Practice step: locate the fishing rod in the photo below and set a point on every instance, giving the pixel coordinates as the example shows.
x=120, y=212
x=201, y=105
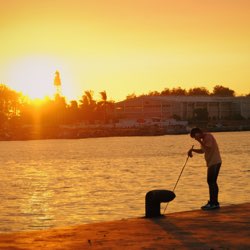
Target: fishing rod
x=179, y=177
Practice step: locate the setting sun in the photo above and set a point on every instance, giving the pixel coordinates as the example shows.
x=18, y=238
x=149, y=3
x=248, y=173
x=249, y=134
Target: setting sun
x=124, y=47
x=102, y=101
x=34, y=75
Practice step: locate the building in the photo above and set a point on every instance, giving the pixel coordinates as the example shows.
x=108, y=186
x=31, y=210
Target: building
x=184, y=107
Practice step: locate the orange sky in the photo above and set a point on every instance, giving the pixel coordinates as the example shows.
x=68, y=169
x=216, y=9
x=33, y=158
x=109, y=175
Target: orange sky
x=124, y=46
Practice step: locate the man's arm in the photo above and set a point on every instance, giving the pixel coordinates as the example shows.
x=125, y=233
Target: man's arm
x=198, y=151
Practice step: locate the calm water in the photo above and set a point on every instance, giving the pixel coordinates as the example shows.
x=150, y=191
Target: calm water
x=54, y=183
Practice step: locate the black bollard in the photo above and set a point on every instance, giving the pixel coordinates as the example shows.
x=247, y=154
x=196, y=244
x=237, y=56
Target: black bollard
x=153, y=201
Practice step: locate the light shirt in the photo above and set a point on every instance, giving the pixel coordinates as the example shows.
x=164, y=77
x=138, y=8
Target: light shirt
x=211, y=150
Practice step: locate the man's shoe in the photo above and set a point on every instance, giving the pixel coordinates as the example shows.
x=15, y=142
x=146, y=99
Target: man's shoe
x=210, y=206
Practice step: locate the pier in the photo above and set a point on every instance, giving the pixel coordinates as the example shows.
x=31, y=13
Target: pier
x=225, y=228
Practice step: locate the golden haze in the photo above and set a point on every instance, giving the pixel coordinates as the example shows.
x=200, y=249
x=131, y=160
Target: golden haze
x=124, y=46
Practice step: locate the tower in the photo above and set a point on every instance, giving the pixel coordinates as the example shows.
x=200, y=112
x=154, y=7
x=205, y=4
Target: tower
x=57, y=83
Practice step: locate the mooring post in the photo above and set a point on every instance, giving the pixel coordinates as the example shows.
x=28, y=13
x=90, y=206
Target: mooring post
x=153, y=201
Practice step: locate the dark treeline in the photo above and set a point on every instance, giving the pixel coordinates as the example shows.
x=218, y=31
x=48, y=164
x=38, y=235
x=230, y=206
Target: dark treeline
x=18, y=111
x=218, y=90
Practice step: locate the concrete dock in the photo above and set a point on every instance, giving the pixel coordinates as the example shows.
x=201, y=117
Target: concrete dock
x=225, y=228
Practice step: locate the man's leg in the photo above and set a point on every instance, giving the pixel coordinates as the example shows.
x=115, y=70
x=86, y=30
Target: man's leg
x=212, y=174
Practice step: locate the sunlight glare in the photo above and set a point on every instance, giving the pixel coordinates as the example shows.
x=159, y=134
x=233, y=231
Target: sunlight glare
x=34, y=75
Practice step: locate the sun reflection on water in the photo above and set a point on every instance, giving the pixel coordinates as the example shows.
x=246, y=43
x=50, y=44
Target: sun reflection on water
x=54, y=183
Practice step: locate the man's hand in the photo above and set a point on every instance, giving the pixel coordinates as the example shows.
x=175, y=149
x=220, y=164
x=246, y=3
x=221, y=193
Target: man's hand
x=190, y=152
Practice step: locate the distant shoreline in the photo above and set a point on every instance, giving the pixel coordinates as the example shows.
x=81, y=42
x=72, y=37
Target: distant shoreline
x=59, y=133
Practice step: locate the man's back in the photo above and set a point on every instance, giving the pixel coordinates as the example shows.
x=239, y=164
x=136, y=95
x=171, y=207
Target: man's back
x=211, y=150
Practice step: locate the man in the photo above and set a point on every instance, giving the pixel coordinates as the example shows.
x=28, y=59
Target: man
x=209, y=147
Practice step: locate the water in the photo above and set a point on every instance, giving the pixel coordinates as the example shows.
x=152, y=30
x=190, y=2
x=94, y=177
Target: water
x=53, y=183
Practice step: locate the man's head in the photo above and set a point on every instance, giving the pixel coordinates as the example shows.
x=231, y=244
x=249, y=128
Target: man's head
x=196, y=133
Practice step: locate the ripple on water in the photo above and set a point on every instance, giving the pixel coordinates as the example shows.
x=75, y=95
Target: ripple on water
x=55, y=183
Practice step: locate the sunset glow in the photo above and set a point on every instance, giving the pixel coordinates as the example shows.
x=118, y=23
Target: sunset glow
x=124, y=47
x=33, y=75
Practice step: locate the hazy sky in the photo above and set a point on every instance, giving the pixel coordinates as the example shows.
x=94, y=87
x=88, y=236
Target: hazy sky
x=124, y=46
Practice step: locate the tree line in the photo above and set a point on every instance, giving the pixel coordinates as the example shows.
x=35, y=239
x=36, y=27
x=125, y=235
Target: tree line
x=16, y=110
x=218, y=90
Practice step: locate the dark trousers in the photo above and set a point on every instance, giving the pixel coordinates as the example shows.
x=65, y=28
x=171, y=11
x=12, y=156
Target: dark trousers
x=212, y=174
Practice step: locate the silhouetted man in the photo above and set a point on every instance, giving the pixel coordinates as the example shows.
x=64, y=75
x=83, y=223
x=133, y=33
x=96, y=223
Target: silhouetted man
x=210, y=149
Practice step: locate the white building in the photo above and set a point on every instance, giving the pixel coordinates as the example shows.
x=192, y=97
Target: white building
x=183, y=107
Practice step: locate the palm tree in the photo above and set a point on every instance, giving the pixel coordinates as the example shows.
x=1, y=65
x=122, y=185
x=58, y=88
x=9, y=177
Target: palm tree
x=103, y=103
x=88, y=105
x=87, y=98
